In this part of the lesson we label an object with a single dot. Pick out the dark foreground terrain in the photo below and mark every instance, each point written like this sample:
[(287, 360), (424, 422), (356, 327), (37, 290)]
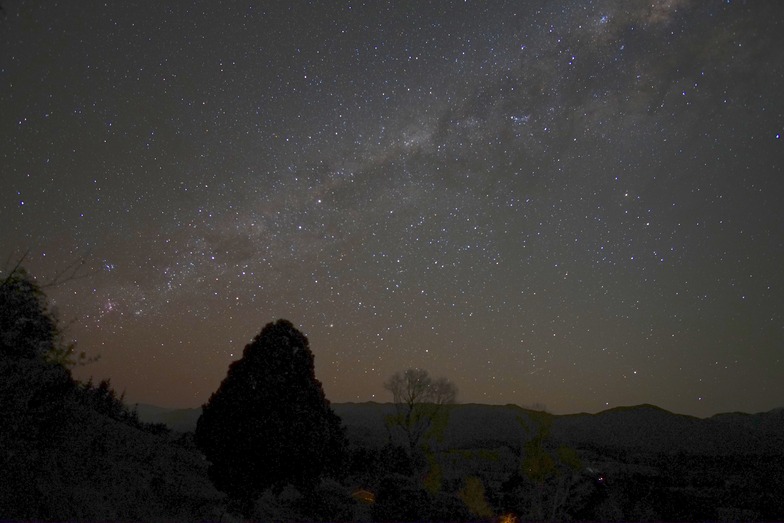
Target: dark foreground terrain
[(632, 463)]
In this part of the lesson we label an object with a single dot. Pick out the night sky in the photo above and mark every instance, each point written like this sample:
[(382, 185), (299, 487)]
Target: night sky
[(578, 204)]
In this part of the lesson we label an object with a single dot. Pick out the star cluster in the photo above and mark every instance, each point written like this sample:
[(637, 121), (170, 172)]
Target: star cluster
[(571, 204)]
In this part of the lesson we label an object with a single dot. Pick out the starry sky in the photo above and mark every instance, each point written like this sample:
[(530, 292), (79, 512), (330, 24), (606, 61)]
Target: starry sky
[(575, 205)]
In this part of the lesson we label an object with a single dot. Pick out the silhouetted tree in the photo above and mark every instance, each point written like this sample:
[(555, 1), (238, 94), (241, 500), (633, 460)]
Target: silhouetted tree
[(75, 452), (31, 389), (556, 474), (27, 329), (269, 423), (420, 404)]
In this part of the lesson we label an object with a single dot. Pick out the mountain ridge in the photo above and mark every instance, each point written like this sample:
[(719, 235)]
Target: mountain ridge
[(643, 427)]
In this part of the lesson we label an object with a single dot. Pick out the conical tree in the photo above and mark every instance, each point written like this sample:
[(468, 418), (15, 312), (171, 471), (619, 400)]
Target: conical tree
[(269, 423)]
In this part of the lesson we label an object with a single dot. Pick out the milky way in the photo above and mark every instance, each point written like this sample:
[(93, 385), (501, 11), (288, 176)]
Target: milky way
[(575, 205)]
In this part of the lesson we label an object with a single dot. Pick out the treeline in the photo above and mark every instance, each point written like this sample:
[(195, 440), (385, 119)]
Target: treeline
[(274, 448), (268, 447)]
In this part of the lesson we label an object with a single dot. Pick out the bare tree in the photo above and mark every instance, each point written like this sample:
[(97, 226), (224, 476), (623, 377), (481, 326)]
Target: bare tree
[(420, 403)]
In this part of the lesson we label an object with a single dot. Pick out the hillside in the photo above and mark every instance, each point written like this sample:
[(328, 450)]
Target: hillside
[(643, 427)]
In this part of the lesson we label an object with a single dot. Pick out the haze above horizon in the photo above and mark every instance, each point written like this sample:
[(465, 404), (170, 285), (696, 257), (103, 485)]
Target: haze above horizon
[(569, 204)]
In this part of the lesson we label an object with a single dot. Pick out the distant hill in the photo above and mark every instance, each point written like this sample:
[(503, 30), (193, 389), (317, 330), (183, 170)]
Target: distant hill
[(638, 428), (181, 420), (650, 428)]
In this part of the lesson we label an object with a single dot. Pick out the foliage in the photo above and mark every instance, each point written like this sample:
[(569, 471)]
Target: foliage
[(66, 355), (401, 498), (74, 452), (420, 405), (27, 328), (553, 472), (404, 498), (330, 501), (269, 423), (434, 478), (103, 399), (473, 495), (368, 465)]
